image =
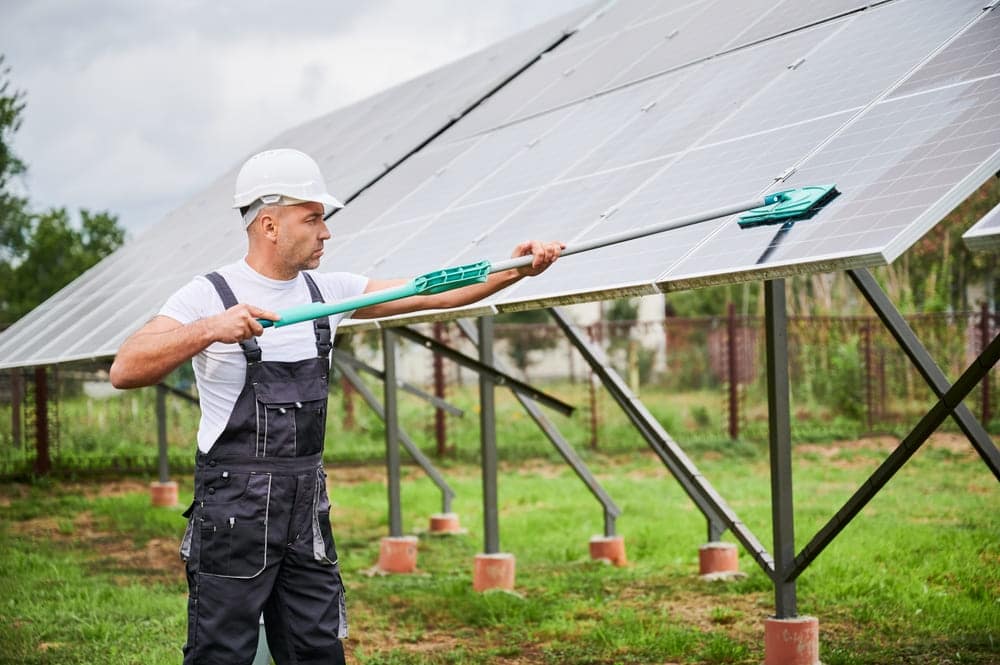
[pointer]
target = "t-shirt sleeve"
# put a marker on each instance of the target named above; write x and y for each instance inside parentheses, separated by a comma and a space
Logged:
(195, 300)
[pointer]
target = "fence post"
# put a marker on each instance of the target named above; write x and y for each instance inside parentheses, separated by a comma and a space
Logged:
(869, 392)
(734, 411)
(593, 396)
(440, 425)
(984, 337)
(16, 393)
(42, 462)
(347, 390)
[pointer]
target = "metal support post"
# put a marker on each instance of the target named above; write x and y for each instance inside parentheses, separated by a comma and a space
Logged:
(699, 490)
(780, 438)
(488, 439)
(43, 464)
(352, 379)
(921, 359)
(392, 433)
(611, 510)
(161, 432)
(946, 405)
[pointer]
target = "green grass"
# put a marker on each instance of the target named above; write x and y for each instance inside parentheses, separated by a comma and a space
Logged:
(93, 578)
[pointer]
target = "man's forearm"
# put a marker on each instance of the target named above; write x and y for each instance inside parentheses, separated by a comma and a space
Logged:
(148, 356)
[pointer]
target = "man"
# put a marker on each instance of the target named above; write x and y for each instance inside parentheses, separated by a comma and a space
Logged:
(258, 537)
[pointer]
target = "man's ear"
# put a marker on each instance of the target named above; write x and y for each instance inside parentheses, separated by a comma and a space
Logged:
(268, 221)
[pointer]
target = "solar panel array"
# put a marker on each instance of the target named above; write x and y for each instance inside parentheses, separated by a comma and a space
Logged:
(654, 110)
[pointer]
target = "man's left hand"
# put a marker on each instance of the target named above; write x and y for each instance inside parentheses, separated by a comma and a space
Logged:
(544, 253)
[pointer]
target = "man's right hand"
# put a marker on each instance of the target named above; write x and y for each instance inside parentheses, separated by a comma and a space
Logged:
(239, 322)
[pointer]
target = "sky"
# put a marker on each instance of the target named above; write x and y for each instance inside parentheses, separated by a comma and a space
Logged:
(133, 107)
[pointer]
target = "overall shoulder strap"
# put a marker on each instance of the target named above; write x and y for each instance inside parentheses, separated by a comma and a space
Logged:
(251, 350)
(321, 326)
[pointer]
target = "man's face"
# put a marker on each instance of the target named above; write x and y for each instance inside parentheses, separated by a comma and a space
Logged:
(301, 234)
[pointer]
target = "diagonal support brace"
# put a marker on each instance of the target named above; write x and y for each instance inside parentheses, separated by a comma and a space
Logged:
(447, 493)
(483, 369)
(945, 406)
(611, 510)
(928, 369)
(705, 497)
(342, 358)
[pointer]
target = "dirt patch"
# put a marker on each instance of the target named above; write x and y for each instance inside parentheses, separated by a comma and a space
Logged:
(156, 561)
(851, 454)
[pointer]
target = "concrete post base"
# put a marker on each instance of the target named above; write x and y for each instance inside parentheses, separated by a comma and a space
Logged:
(445, 523)
(791, 641)
(493, 571)
(608, 548)
(398, 554)
(163, 495)
(718, 557)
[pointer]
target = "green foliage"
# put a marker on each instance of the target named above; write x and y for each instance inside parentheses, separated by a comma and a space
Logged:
(525, 341)
(40, 252)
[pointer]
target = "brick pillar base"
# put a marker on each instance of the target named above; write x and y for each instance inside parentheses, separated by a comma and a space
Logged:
(398, 554)
(163, 495)
(791, 641)
(493, 571)
(718, 557)
(608, 548)
(445, 523)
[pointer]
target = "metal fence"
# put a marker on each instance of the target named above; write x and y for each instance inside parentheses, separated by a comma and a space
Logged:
(848, 377)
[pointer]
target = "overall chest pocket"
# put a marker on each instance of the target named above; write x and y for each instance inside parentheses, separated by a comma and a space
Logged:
(233, 534)
(291, 417)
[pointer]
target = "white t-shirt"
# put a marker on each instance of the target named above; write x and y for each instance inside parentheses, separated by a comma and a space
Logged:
(220, 369)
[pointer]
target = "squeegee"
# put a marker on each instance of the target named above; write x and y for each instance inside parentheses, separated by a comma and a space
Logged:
(778, 208)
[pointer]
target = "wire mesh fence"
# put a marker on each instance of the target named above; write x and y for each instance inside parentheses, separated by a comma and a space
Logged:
(704, 378)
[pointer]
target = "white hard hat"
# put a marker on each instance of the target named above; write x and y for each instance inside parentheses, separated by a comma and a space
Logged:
(284, 173)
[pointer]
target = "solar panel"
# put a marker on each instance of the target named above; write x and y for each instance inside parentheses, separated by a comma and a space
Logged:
(845, 101)
(354, 146)
(984, 236)
(648, 112)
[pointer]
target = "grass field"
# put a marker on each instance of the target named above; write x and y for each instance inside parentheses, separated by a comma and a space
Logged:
(91, 574)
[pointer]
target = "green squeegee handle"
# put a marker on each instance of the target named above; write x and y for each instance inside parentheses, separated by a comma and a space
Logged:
(437, 281)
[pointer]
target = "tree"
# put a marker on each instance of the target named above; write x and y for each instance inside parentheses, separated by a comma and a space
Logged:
(40, 252)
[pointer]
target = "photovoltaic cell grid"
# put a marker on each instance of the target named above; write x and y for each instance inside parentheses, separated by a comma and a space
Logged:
(354, 145)
(896, 104)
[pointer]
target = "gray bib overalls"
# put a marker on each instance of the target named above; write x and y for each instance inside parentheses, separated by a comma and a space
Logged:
(258, 537)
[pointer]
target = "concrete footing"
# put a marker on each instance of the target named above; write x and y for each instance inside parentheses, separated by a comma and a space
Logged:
(718, 557)
(445, 523)
(608, 548)
(493, 571)
(791, 641)
(398, 554)
(163, 495)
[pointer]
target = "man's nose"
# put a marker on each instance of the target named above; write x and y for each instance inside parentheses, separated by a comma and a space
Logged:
(324, 233)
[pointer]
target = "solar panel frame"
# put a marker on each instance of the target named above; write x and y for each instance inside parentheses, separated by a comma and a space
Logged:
(984, 235)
